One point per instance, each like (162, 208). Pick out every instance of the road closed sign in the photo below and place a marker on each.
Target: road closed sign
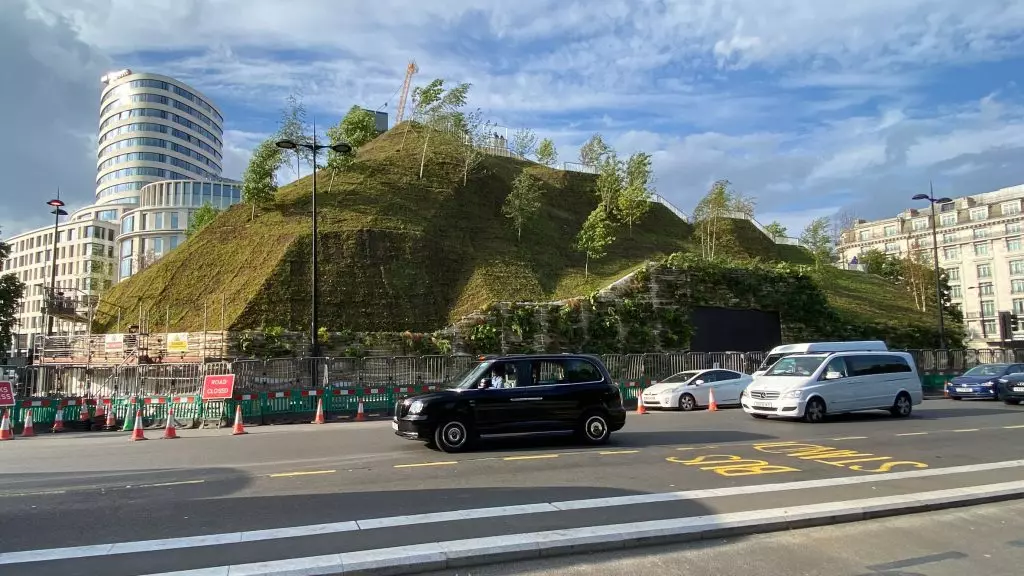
(218, 387)
(6, 394)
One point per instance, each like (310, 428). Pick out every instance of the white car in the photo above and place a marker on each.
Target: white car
(691, 389)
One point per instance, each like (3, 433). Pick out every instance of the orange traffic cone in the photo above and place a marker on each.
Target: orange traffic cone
(360, 416)
(111, 423)
(58, 421)
(137, 433)
(712, 404)
(29, 429)
(640, 408)
(319, 418)
(170, 432)
(238, 428)
(5, 428)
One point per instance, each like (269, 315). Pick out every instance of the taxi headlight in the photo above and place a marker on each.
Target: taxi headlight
(416, 407)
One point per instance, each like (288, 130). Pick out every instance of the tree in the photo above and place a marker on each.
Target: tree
(12, 290)
(593, 151)
(841, 222)
(816, 237)
(292, 126)
(200, 219)
(523, 202)
(609, 181)
(776, 230)
(439, 110)
(634, 199)
(546, 153)
(144, 260)
(259, 181)
(524, 142)
(594, 237)
(711, 218)
(477, 138)
(358, 127)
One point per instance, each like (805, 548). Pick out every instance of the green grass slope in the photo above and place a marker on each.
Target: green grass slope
(397, 252)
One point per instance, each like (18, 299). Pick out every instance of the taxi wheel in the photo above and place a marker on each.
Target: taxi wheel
(453, 436)
(687, 403)
(902, 407)
(594, 428)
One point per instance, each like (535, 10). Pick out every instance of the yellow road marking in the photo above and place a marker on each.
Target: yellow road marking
(912, 434)
(310, 473)
(687, 448)
(450, 463)
(850, 438)
(170, 484)
(1013, 427)
(534, 457)
(966, 430)
(610, 452)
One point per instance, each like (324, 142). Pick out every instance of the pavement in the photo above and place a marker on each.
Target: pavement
(318, 497)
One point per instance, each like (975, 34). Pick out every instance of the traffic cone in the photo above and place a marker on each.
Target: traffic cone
(360, 415)
(238, 428)
(29, 429)
(319, 418)
(170, 432)
(5, 428)
(137, 433)
(58, 420)
(640, 408)
(712, 404)
(111, 423)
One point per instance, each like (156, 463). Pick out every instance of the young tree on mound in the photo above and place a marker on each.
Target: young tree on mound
(711, 218)
(12, 290)
(594, 237)
(776, 230)
(523, 202)
(816, 237)
(634, 199)
(259, 181)
(200, 219)
(609, 181)
(477, 138)
(594, 150)
(357, 128)
(524, 142)
(439, 110)
(292, 126)
(546, 153)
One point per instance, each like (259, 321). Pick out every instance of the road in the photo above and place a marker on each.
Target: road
(259, 494)
(987, 539)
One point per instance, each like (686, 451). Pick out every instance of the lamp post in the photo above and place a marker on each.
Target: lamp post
(340, 148)
(981, 311)
(930, 197)
(57, 212)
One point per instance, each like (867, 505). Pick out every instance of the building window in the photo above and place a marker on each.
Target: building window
(981, 248)
(988, 308)
(951, 253)
(949, 238)
(1014, 227)
(892, 247)
(1018, 305)
(173, 242)
(1016, 267)
(948, 219)
(986, 289)
(1010, 208)
(985, 271)
(980, 233)
(127, 224)
(126, 267)
(920, 224)
(1013, 244)
(107, 215)
(158, 221)
(979, 213)
(889, 230)
(990, 328)
(1017, 286)
(955, 291)
(174, 221)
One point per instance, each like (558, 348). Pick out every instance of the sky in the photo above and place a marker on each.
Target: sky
(811, 108)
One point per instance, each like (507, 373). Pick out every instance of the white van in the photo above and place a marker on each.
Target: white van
(810, 386)
(807, 348)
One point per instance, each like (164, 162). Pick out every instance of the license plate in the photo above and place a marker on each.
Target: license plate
(394, 425)
(1018, 388)
(763, 406)
(965, 390)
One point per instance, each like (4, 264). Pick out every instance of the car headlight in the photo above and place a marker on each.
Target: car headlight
(416, 407)
(792, 394)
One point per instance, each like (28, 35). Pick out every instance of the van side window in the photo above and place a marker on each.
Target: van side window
(835, 365)
(876, 364)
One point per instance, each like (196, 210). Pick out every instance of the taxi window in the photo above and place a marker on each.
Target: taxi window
(568, 371)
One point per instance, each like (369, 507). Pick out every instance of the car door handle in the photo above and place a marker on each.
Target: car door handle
(526, 399)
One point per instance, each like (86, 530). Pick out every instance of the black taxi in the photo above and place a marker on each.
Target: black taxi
(516, 394)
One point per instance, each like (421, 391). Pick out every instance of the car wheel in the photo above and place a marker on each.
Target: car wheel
(814, 412)
(902, 407)
(1011, 402)
(594, 428)
(687, 403)
(452, 436)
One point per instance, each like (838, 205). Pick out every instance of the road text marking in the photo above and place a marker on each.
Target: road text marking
(835, 456)
(449, 463)
(309, 473)
(730, 465)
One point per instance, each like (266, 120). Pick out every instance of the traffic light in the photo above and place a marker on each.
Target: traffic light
(1007, 322)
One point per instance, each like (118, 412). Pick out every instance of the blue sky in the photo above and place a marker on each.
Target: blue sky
(810, 108)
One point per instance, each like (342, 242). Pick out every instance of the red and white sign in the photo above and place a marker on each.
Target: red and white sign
(218, 387)
(6, 394)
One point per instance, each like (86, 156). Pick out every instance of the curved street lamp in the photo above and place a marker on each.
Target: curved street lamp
(930, 197)
(57, 204)
(340, 148)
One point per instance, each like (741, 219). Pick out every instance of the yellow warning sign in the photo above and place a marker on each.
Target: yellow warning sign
(177, 342)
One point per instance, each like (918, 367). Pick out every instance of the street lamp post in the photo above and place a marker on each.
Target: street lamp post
(981, 310)
(930, 197)
(340, 148)
(57, 212)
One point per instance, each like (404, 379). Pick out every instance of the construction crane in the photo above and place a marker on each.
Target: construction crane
(409, 71)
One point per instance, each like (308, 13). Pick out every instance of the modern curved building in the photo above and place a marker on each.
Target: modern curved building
(154, 128)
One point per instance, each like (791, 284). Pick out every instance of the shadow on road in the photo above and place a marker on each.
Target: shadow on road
(620, 439)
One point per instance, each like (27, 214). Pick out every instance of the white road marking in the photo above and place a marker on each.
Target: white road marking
(49, 554)
(480, 550)
(913, 434)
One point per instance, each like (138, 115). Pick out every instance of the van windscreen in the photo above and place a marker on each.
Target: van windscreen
(797, 365)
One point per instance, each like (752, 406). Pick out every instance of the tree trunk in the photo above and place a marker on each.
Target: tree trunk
(252, 215)
(586, 266)
(423, 156)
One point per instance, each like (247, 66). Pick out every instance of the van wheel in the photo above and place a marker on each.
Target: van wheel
(687, 403)
(453, 436)
(902, 407)
(594, 428)
(814, 412)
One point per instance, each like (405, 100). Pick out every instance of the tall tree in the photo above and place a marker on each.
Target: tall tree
(524, 142)
(711, 218)
(259, 181)
(358, 127)
(635, 199)
(546, 153)
(292, 126)
(817, 238)
(12, 290)
(842, 221)
(594, 150)
(610, 180)
(440, 110)
(523, 202)
(200, 219)
(477, 138)
(776, 230)
(594, 237)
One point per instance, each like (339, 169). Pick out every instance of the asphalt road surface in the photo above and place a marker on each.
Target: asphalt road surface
(89, 491)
